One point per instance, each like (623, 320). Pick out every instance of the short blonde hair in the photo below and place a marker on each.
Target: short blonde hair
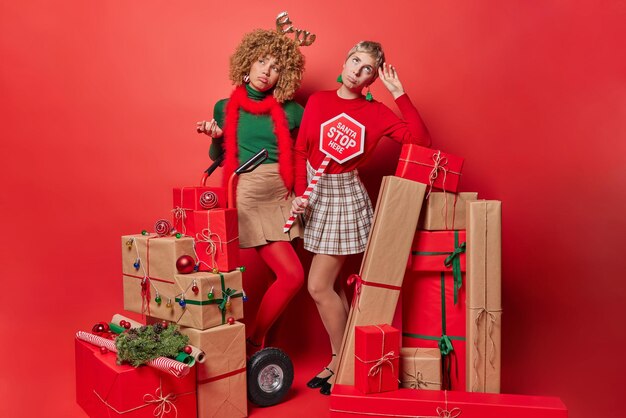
(263, 42)
(374, 49)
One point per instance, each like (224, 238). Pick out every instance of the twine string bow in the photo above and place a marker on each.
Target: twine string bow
(439, 164)
(164, 404)
(180, 215)
(491, 318)
(213, 240)
(378, 365)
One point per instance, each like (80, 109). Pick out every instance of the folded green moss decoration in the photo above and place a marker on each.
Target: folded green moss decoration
(138, 346)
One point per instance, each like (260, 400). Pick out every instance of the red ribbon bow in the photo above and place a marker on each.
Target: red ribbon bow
(355, 278)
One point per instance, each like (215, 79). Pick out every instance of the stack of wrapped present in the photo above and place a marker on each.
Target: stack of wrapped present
(446, 359)
(186, 273)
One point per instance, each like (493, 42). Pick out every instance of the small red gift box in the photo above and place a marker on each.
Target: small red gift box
(199, 198)
(188, 199)
(376, 358)
(433, 167)
(217, 239)
(346, 401)
(104, 389)
(430, 321)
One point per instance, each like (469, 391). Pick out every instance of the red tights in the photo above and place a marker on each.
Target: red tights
(282, 259)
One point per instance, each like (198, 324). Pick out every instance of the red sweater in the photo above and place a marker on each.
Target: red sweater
(377, 118)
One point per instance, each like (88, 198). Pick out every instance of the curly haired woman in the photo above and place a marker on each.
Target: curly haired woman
(266, 69)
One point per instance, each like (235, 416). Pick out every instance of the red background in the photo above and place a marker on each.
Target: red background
(99, 103)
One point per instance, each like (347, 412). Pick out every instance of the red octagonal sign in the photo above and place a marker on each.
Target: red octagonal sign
(342, 138)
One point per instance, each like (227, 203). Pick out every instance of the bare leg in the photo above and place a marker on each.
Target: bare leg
(322, 275)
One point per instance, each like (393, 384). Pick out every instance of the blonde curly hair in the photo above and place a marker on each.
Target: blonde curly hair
(263, 42)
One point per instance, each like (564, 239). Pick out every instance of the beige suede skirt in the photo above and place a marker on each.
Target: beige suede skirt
(263, 207)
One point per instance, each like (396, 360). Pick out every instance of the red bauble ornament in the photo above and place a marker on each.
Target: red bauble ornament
(164, 324)
(104, 350)
(195, 289)
(126, 325)
(98, 328)
(187, 349)
(185, 264)
(231, 320)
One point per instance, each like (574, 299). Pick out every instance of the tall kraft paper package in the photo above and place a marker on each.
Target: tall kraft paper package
(384, 263)
(484, 302)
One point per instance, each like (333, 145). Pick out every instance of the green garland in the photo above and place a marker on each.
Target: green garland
(138, 346)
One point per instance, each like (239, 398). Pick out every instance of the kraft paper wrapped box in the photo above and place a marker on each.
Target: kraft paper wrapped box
(420, 368)
(348, 402)
(219, 297)
(433, 301)
(153, 256)
(222, 390)
(217, 239)
(437, 169)
(383, 265)
(484, 308)
(445, 211)
(105, 389)
(376, 358)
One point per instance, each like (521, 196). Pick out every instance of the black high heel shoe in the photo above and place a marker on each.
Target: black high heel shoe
(318, 382)
(325, 389)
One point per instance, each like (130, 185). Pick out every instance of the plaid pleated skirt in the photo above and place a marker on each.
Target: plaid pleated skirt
(339, 215)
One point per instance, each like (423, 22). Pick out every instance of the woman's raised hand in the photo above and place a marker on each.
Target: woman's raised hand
(389, 77)
(210, 128)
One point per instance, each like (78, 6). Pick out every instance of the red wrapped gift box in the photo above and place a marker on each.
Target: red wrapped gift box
(346, 401)
(217, 239)
(376, 358)
(104, 389)
(199, 198)
(430, 320)
(188, 199)
(433, 167)
(430, 249)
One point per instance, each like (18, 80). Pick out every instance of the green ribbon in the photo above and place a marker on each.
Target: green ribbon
(453, 259)
(227, 293)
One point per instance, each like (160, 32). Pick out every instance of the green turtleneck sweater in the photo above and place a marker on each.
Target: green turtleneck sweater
(254, 131)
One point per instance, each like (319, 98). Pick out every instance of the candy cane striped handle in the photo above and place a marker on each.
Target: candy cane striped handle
(309, 189)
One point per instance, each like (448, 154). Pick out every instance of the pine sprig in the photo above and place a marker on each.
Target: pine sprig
(138, 346)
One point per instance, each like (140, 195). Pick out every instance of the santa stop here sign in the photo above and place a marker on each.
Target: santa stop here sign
(342, 138)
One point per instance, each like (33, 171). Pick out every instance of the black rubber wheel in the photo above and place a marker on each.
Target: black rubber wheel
(270, 375)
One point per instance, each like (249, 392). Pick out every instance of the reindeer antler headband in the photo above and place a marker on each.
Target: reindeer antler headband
(284, 26)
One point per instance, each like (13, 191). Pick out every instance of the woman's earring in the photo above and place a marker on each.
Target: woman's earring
(246, 78)
(369, 96)
(340, 79)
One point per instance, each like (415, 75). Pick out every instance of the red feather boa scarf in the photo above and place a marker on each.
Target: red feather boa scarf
(240, 100)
